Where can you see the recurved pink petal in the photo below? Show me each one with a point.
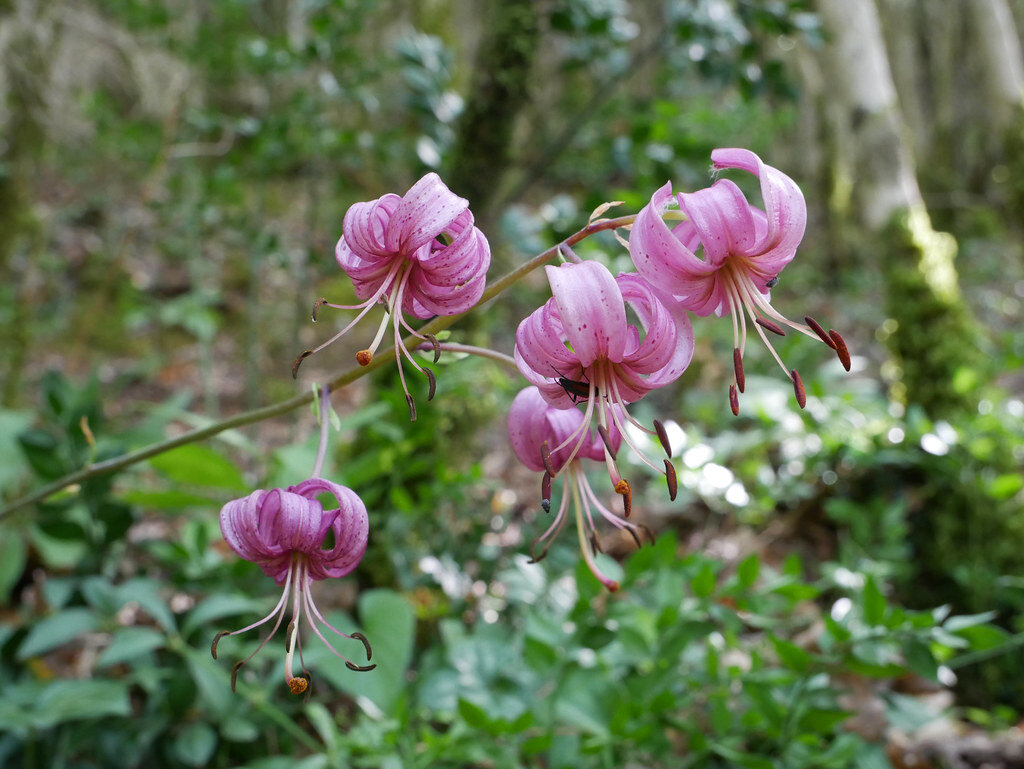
(722, 219)
(591, 310)
(784, 204)
(426, 210)
(540, 343)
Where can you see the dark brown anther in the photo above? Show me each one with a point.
(594, 544)
(316, 307)
(436, 345)
(817, 329)
(609, 446)
(670, 478)
(432, 383)
(366, 643)
(775, 329)
(623, 488)
(298, 362)
(545, 492)
(659, 428)
(737, 366)
(412, 407)
(545, 457)
(234, 673)
(798, 388)
(216, 640)
(359, 668)
(636, 538)
(841, 350)
(734, 401)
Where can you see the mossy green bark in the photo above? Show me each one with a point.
(931, 335)
(500, 89)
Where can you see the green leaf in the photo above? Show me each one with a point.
(703, 584)
(196, 465)
(748, 570)
(919, 658)
(874, 603)
(473, 714)
(80, 700)
(12, 561)
(1006, 486)
(195, 744)
(56, 630)
(791, 655)
(217, 607)
(129, 643)
(961, 621)
(585, 699)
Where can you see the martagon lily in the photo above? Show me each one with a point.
(533, 423)
(580, 345)
(289, 535)
(418, 254)
(742, 249)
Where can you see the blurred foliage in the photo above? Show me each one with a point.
(177, 224)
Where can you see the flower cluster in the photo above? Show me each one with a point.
(598, 345)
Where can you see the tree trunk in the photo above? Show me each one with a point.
(934, 344)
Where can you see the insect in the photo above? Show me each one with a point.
(576, 390)
(773, 282)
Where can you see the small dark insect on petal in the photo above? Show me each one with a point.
(670, 478)
(773, 282)
(603, 432)
(359, 668)
(366, 643)
(659, 428)
(737, 366)
(412, 408)
(841, 350)
(216, 640)
(773, 327)
(817, 329)
(545, 457)
(734, 401)
(545, 492)
(432, 383)
(298, 362)
(798, 388)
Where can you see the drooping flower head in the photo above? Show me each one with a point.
(726, 256)
(532, 424)
(580, 345)
(417, 254)
(289, 535)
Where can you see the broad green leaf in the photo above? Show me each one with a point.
(81, 700)
(195, 744)
(57, 630)
(219, 606)
(196, 465)
(791, 655)
(748, 569)
(12, 560)
(703, 584)
(129, 643)
(874, 603)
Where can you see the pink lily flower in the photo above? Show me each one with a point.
(532, 424)
(744, 250)
(580, 345)
(289, 535)
(418, 254)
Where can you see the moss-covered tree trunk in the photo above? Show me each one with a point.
(499, 90)
(934, 342)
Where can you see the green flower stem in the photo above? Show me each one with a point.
(283, 407)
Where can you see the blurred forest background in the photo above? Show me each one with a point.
(835, 587)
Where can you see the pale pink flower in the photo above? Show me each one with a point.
(727, 254)
(580, 345)
(533, 424)
(289, 535)
(417, 254)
